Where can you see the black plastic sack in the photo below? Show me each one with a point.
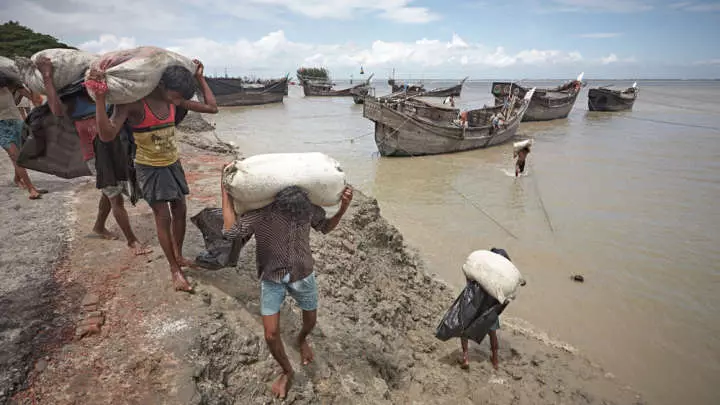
(219, 252)
(471, 316)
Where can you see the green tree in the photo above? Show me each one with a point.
(18, 40)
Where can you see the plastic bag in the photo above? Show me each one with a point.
(68, 65)
(219, 252)
(254, 182)
(51, 145)
(471, 316)
(496, 274)
(132, 74)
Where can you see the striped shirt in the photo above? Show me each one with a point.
(283, 244)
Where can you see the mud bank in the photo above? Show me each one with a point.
(374, 341)
(196, 131)
(33, 241)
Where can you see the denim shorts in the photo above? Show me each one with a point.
(496, 325)
(272, 294)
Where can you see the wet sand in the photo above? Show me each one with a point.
(374, 342)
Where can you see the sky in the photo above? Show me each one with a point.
(420, 39)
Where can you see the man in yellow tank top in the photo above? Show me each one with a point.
(157, 163)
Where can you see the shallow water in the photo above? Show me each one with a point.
(628, 202)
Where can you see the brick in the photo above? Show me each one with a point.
(88, 330)
(93, 314)
(90, 299)
(98, 320)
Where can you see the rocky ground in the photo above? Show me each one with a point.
(374, 343)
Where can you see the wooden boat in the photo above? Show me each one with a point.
(315, 88)
(419, 89)
(605, 99)
(361, 94)
(546, 104)
(411, 127)
(235, 92)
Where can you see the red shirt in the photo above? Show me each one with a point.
(87, 131)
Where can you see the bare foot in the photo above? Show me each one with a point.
(494, 360)
(139, 249)
(306, 353)
(180, 282)
(34, 195)
(185, 262)
(105, 234)
(464, 363)
(281, 386)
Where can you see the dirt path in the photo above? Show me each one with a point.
(374, 343)
(33, 237)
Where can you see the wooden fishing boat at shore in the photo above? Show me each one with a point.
(419, 89)
(546, 104)
(360, 95)
(235, 92)
(315, 88)
(411, 127)
(605, 99)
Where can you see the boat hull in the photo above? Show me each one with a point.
(402, 134)
(322, 91)
(417, 90)
(610, 100)
(248, 98)
(545, 105)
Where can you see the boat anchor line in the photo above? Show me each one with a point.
(354, 138)
(540, 199)
(479, 208)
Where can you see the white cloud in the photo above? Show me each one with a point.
(613, 6)
(108, 43)
(601, 35)
(78, 17)
(612, 58)
(709, 62)
(697, 7)
(395, 10)
(275, 52)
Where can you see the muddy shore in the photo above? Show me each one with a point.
(374, 342)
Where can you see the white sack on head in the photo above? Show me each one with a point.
(9, 74)
(496, 274)
(68, 66)
(520, 145)
(133, 74)
(254, 182)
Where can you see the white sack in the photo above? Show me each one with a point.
(8, 71)
(254, 182)
(132, 74)
(68, 66)
(518, 146)
(496, 274)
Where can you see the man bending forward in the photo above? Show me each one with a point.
(285, 264)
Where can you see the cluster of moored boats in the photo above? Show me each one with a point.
(406, 124)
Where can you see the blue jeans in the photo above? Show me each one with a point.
(272, 294)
